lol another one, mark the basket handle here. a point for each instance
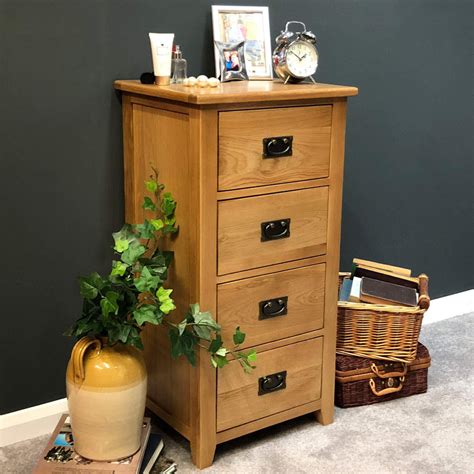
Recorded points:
(424, 299)
(385, 391)
(386, 375)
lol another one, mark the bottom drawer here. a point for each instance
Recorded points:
(285, 377)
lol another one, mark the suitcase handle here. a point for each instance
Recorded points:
(385, 391)
(386, 375)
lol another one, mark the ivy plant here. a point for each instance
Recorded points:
(118, 305)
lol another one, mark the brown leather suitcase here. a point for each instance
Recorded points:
(361, 381)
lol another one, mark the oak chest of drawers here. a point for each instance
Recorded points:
(256, 169)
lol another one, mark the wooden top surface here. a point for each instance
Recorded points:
(242, 91)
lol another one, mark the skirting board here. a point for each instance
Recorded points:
(41, 419)
(31, 422)
(450, 306)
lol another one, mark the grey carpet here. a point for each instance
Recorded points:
(429, 433)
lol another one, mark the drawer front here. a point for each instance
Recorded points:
(272, 307)
(242, 160)
(263, 230)
(242, 397)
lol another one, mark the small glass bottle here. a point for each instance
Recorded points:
(179, 66)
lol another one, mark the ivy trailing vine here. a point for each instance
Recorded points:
(117, 306)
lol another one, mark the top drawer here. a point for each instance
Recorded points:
(242, 160)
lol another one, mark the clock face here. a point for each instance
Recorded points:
(302, 59)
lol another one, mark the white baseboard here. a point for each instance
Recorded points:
(41, 419)
(31, 422)
(450, 306)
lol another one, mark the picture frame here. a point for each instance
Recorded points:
(252, 25)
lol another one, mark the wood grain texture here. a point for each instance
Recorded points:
(241, 134)
(239, 229)
(278, 267)
(273, 188)
(238, 305)
(161, 138)
(203, 395)
(326, 414)
(219, 252)
(261, 423)
(241, 92)
(238, 401)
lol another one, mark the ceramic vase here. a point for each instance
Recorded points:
(106, 392)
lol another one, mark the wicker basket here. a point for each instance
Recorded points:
(380, 331)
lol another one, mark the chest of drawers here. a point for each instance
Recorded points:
(256, 169)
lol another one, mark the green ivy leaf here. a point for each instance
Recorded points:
(147, 314)
(157, 224)
(91, 285)
(215, 344)
(219, 361)
(108, 304)
(167, 304)
(221, 352)
(163, 295)
(146, 281)
(203, 332)
(205, 319)
(168, 255)
(134, 338)
(252, 356)
(118, 268)
(182, 327)
(170, 221)
(246, 366)
(168, 229)
(123, 238)
(151, 186)
(183, 344)
(119, 333)
(168, 205)
(148, 204)
(239, 336)
(145, 230)
(87, 290)
(121, 245)
(133, 253)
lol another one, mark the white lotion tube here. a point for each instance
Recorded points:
(161, 48)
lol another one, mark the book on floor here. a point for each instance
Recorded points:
(165, 465)
(152, 451)
(59, 455)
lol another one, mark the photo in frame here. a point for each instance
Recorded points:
(231, 61)
(233, 24)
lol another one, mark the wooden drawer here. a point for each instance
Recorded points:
(241, 241)
(238, 398)
(272, 307)
(241, 151)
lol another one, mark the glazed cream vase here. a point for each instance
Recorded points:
(106, 392)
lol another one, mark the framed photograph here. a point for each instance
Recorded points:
(233, 24)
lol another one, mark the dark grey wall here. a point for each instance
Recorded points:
(408, 181)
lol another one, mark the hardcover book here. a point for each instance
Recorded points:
(59, 455)
(381, 292)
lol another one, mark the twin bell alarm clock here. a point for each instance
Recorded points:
(295, 58)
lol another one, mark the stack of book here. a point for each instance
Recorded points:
(378, 283)
(59, 455)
